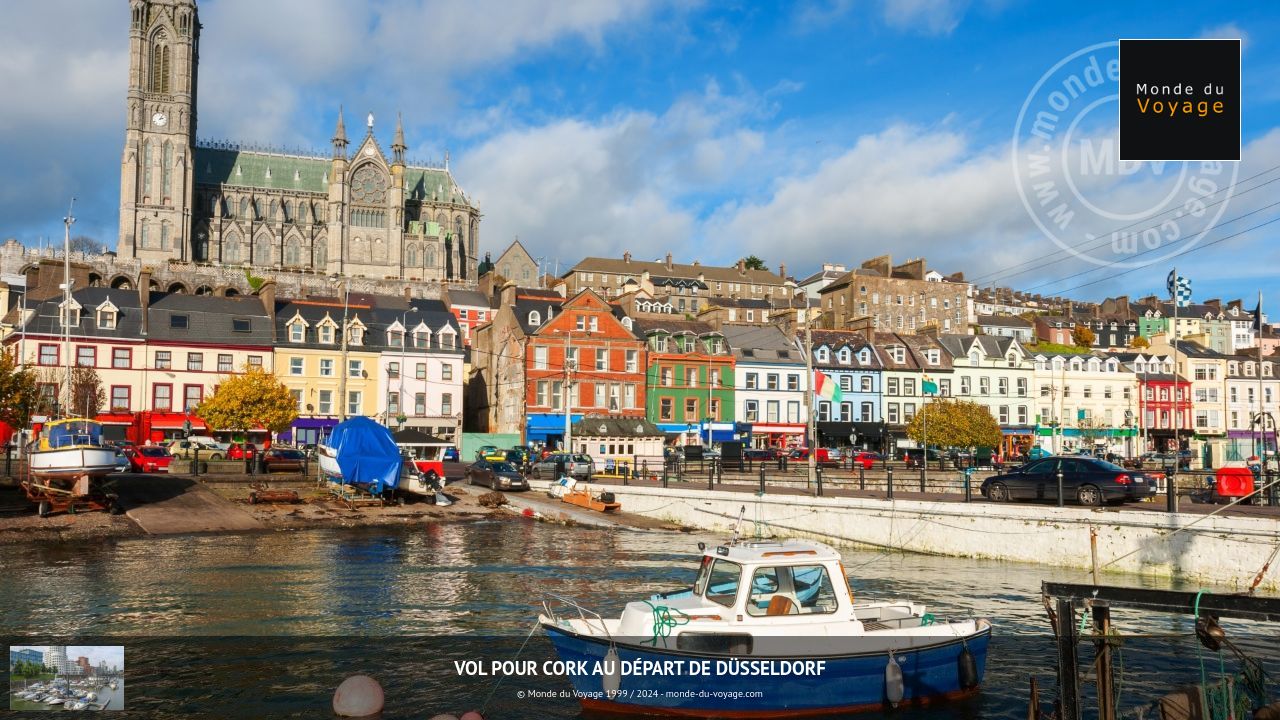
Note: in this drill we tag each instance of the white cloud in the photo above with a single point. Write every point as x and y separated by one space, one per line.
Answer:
1227 31
932 17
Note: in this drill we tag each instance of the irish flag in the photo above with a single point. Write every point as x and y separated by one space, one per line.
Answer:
827 388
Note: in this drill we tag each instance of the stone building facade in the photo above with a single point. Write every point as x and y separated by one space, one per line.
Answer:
880 296
360 212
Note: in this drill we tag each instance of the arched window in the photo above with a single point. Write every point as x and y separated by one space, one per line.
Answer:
534 318
321 253
164 235
159 79
287 209
244 208
302 211
231 248
214 206
411 255
262 251
273 210
143 240
431 256
458 231
293 253
166 171
148 157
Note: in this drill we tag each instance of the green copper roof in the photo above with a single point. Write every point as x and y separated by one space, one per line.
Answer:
265 171
429 184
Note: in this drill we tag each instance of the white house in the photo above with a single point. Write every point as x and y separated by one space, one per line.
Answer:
420 383
769 384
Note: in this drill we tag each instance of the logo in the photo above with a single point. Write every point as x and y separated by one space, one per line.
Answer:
1081 195
1180 99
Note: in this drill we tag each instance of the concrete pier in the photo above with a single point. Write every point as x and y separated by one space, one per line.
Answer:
1222 550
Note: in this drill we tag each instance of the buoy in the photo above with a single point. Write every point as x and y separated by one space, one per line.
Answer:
893 682
612 679
968 668
527 512
358 696
472 715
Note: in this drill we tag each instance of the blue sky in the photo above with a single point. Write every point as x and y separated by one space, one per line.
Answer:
112 655
801 132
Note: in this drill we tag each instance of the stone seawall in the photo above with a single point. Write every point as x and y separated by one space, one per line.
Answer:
1221 550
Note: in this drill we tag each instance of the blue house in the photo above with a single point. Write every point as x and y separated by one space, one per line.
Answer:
849 359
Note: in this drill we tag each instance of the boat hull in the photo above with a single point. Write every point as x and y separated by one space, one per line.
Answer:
847 683
328 460
73 462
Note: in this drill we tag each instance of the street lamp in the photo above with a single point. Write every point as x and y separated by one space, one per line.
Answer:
343 370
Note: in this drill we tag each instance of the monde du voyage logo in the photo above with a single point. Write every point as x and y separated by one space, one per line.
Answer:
1180 100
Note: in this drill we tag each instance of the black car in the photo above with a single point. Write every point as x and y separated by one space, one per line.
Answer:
496 475
1086 480
760 454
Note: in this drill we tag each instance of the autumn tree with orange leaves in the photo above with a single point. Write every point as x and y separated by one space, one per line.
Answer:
249 400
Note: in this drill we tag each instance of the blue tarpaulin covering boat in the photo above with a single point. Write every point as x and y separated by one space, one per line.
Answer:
362 452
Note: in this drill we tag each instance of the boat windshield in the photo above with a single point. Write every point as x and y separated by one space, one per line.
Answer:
75 432
791 590
719 583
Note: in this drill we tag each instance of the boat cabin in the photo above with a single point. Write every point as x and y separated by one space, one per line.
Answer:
70 433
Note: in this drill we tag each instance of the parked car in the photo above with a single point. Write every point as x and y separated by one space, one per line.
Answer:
491 452
450 454
866 459
518 456
187 449
149 459
913 456
760 454
241 451
279 459
825 457
122 461
1038 453
1086 480
578 466
496 475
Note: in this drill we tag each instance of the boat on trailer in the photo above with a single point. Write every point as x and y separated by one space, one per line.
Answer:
72 449
769 629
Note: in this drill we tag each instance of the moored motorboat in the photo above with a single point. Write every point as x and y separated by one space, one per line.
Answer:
769 629
71 449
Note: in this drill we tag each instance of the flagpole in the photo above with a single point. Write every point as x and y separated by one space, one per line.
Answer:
924 435
1262 426
1177 410
808 396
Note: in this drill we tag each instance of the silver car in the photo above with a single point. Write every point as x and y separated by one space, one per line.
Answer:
578 466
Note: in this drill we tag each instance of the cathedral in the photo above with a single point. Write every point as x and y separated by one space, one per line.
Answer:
356 212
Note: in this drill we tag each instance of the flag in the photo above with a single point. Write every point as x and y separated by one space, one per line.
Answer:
1257 316
928 387
1179 288
827 388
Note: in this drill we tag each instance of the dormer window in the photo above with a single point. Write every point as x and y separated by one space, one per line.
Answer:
535 319
898 353
421 339
395 337
106 319
298 332
975 357
325 333
845 356
626 323
864 357
355 336
823 355
931 356
179 322
448 339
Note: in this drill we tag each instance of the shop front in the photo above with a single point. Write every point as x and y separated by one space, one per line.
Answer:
546 428
1016 441
777 435
308 431
861 435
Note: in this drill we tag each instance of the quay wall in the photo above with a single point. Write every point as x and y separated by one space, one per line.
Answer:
1226 551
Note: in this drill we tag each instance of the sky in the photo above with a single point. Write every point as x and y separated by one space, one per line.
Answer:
802 132
112 655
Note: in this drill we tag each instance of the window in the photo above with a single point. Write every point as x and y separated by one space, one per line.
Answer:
297 400
908 386
393 369
163 360
355 368
629 395
691 377
793 411
191 396
241 325
393 403
326 402
713 408
326 335
892 414
633 361
446 372
1088 391
420 404
355 336
1004 415
846 383
984 386
893 386
122 358
326 367
908 412
668 376
1022 387
944 387
353 402
540 358
753 381
540 394
1022 414
106 319
395 338
771 381
691 408
793 381
48 355
964 385
767 592
87 356
581 321
1002 386
178 322
864 385
867 412
225 363
162 397
602 358
752 410
666 408
195 362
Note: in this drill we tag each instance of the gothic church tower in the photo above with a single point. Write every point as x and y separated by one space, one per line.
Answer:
156 180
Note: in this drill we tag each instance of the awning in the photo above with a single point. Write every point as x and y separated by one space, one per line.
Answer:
552 423
678 428
176 421
409 436
314 423
777 429
115 418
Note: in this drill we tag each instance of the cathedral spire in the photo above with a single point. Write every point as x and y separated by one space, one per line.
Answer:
397 145
340 137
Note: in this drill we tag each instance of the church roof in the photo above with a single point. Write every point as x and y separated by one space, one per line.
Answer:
243 168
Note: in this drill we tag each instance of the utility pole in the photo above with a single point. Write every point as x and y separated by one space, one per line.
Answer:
344 370
66 303
565 393
808 396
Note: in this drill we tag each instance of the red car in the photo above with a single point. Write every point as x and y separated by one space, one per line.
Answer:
866 459
240 451
825 457
148 459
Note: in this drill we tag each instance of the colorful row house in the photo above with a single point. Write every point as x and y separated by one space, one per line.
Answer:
690 381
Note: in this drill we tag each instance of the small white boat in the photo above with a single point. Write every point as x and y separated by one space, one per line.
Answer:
328 459
113 684
71 449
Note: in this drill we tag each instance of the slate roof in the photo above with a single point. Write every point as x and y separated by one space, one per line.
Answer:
615 426
466 298
913 358
992 346
547 303
1011 321
748 303
376 320
765 344
44 319
1196 350
837 339
678 270
209 319
672 325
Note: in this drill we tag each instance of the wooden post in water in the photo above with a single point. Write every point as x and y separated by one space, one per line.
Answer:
1106 682
1068 679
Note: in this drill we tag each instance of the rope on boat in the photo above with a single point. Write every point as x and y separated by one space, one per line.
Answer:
498 682
664 621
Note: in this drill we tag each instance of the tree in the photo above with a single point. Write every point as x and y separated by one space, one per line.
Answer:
19 389
252 399
955 423
1139 342
87 396
87 245
1082 336
751 262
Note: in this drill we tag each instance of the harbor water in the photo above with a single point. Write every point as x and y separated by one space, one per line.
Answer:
266 625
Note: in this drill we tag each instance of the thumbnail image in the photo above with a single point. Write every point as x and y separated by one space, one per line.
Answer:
66 677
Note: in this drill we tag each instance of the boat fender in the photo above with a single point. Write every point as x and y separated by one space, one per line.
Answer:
606 497
612 679
968 669
893 689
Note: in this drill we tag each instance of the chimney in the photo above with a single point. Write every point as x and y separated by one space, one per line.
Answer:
742 267
144 298
267 294
508 294
1215 303
913 269
626 257
882 265
782 270
669 265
